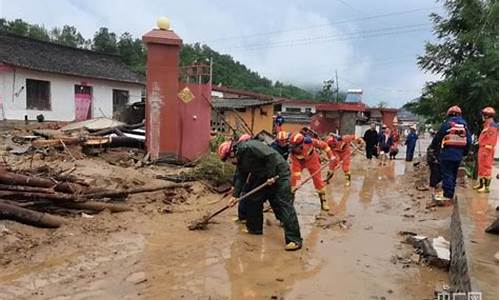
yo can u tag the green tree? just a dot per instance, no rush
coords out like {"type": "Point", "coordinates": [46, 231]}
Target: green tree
{"type": "Point", "coordinates": [18, 27]}
{"type": "Point", "coordinates": [68, 36]}
{"type": "Point", "coordinates": [466, 57]}
{"type": "Point", "coordinates": [132, 52]}
{"type": "Point", "coordinates": [382, 104]}
{"type": "Point", "coordinates": [38, 32]}
{"type": "Point", "coordinates": [105, 41]}
{"type": "Point", "coordinates": [3, 25]}
{"type": "Point", "coordinates": [327, 92]}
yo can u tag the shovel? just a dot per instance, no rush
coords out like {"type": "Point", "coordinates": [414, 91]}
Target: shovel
{"type": "Point", "coordinates": [311, 177]}
{"type": "Point", "coordinates": [203, 222]}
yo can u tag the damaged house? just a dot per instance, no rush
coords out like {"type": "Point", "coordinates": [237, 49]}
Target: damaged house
{"type": "Point", "coordinates": [62, 83]}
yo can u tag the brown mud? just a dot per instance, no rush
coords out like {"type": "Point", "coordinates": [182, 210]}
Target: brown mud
{"type": "Point", "coordinates": [149, 253]}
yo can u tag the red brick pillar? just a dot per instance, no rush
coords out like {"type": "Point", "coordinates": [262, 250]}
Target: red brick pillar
{"type": "Point", "coordinates": [162, 84]}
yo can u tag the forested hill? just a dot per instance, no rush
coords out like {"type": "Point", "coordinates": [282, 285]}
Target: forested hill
{"type": "Point", "coordinates": [226, 70]}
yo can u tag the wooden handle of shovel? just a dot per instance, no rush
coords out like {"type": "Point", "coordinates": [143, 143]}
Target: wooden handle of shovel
{"type": "Point", "coordinates": [310, 177]}
{"type": "Point", "coordinates": [255, 190]}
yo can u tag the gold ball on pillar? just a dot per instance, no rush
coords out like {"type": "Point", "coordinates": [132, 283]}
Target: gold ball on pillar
{"type": "Point", "coordinates": [163, 23]}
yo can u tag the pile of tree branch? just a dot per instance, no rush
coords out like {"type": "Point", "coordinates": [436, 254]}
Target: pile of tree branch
{"type": "Point", "coordinates": [29, 199]}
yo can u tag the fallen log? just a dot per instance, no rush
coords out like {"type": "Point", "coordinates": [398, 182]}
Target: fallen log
{"type": "Point", "coordinates": [33, 196]}
{"type": "Point", "coordinates": [61, 197]}
{"type": "Point", "coordinates": [109, 130]}
{"type": "Point", "coordinates": [95, 206]}
{"type": "Point", "coordinates": [17, 179]}
{"type": "Point", "coordinates": [8, 210]}
{"type": "Point", "coordinates": [68, 188]}
{"type": "Point", "coordinates": [24, 188]}
{"type": "Point", "coordinates": [124, 193]}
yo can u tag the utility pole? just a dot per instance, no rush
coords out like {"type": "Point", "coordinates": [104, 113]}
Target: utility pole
{"type": "Point", "coordinates": [337, 88]}
{"type": "Point", "coordinates": [211, 70]}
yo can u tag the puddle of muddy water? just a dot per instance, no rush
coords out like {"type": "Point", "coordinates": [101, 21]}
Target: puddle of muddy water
{"type": "Point", "coordinates": [354, 263]}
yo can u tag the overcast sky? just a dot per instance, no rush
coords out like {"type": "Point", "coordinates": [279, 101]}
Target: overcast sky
{"type": "Point", "coordinates": [372, 44]}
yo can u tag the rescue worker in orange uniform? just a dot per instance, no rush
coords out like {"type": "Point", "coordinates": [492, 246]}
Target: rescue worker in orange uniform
{"type": "Point", "coordinates": [305, 156]}
{"type": "Point", "coordinates": [342, 151]}
{"type": "Point", "coordinates": [487, 142]}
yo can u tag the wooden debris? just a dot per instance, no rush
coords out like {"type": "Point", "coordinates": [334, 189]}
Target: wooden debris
{"type": "Point", "coordinates": [9, 210]}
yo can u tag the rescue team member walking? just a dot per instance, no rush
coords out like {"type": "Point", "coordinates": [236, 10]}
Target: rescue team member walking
{"type": "Point", "coordinates": [255, 158]}
{"type": "Point", "coordinates": [371, 141]}
{"type": "Point", "coordinates": [454, 141]}
{"type": "Point", "coordinates": [487, 142]}
{"type": "Point", "coordinates": [342, 150]}
{"type": "Point", "coordinates": [305, 156]}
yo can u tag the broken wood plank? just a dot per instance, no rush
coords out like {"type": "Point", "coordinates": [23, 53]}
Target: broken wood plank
{"type": "Point", "coordinates": [57, 142]}
{"type": "Point", "coordinates": [8, 210]}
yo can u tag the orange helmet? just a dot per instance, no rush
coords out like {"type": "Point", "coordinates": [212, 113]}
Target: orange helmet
{"type": "Point", "coordinates": [488, 111]}
{"type": "Point", "coordinates": [454, 110]}
{"type": "Point", "coordinates": [297, 139]}
{"type": "Point", "coordinates": [331, 141]}
{"type": "Point", "coordinates": [225, 149]}
{"type": "Point", "coordinates": [244, 137]}
{"type": "Point", "coordinates": [282, 136]}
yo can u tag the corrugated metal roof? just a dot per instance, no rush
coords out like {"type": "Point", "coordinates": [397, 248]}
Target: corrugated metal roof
{"type": "Point", "coordinates": [231, 103]}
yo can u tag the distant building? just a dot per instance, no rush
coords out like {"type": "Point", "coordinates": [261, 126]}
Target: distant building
{"type": "Point", "coordinates": [241, 109]}
{"type": "Point", "coordinates": [350, 118]}
{"type": "Point", "coordinates": [354, 96]}
{"type": "Point", "coordinates": [62, 83]}
{"type": "Point", "coordinates": [407, 118]}
{"type": "Point", "coordinates": [297, 114]}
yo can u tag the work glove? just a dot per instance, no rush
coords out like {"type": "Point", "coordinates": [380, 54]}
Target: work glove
{"type": "Point", "coordinates": [232, 201]}
{"type": "Point", "coordinates": [271, 181]}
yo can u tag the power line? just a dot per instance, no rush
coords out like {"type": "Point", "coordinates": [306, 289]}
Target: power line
{"type": "Point", "coordinates": [307, 39]}
{"type": "Point", "coordinates": [331, 40]}
{"type": "Point", "coordinates": [350, 6]}
{"type": "Point", "coordinates": [361, 19]}
{"type": "Point", "coordinates": [371, 62]}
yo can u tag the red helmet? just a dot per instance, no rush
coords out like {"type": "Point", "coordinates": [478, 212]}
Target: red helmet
{"type": "Point", "coordinates": [297, 139]}
{"type": "Point", "coordinates": [454, 110]}
{"type": "Point", "coordinates": [282, 136]}
{"type": "Point", "coordinates": [224, 150]}
{"type": "Point", "coordinates": [488, 111]}
{"type": "Point", "coordinates": [244, 137]}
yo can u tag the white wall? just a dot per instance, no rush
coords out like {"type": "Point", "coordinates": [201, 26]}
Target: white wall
{"type": "Point", "coordinates": [62, 95]}
{"type": "Point", "coordinates": [301, 106]}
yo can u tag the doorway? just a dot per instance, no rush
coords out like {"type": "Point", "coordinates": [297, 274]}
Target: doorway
{"type": "Point", "coordinates": [83, 102]}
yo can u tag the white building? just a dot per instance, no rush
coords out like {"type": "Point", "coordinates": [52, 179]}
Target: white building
{"type": "Point", "coordinates": [62, 83]}
{"type": "Point", "coordinates": [299, 106]}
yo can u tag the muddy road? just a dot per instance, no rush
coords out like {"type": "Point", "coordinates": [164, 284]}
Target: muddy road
{"type": "Point", "coordinates": [150, 254]}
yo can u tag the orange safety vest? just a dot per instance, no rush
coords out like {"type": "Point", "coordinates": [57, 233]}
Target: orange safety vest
{"type": "Point", "coordinates": [308, 150]}
{"type": "Point", "coordinates": [456, 136]}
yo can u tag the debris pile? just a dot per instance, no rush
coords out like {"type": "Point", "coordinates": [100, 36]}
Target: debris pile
{"type": "Point", "coordinates": [91, 136]}
{"type": "Point", "coordinates": [435, 251]}
{"type": "Point", "coordinates": [210, 171]}
{"type": "Point", "coordinates": [40, 199]}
